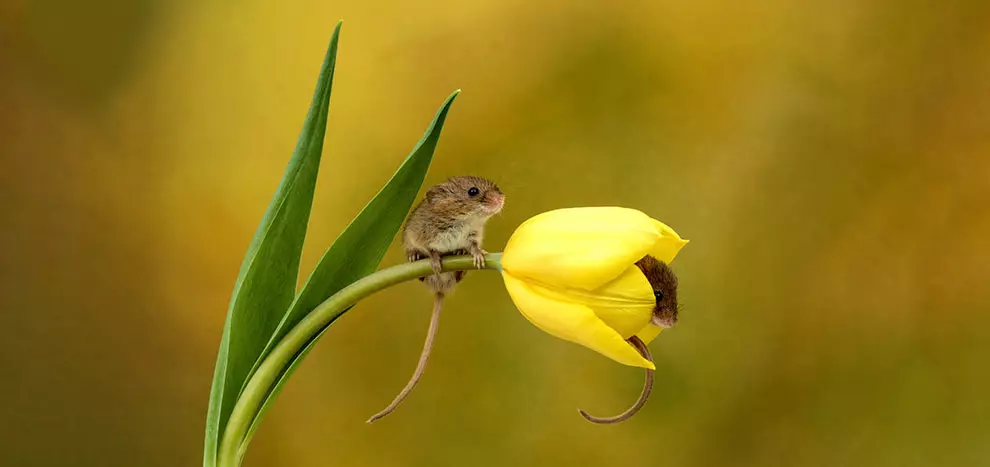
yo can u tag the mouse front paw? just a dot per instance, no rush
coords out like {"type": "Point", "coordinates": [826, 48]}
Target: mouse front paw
{"type": "Point", "coordinates": [478, 255]}
{"type": "Point", "coordinates": [414, 256]}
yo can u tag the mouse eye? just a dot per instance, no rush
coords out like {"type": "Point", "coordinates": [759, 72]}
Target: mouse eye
{"type": "Point", "coordinates": [473, 191]}
{"type": "Point", "coordinates": [658, 295]}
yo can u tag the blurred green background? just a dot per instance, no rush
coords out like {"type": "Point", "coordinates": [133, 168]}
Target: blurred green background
{"type": "Point", "coordinates": [828, 160]}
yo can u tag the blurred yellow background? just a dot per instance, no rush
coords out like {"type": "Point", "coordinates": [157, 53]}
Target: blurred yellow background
{"type": "Point", "coordinates": [828, 160]}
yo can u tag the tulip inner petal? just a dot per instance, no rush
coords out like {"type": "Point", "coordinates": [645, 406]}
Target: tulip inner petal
{"type": "Point", "coordinates": [648, 333]}
{"type": "Point", "coordinates": [632, 313]}
{"type": "Point", "coordinates": [625, 304]}
{"type": "Point", "coordinates": [571, 321]}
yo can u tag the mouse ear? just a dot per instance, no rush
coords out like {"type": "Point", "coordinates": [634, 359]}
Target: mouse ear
{"type": "Point", "coordinates": [432, 194]}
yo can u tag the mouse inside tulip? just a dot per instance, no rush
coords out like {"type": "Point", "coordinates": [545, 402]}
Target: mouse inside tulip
{"type": "Point", "coordinates": [664, 284]}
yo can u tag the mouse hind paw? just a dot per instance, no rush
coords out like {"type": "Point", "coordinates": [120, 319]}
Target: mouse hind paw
{"type": "Point", "coordinates": [435, 262]}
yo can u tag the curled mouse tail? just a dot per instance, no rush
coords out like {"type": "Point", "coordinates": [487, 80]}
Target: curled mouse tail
{"type": "Point", "coordinates": [421, 366]}
{"type": "Point", "coordinates": [643, 396]}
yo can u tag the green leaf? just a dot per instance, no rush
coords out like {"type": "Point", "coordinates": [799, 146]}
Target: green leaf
{"type": "Point", "coordinates": [360, 248]}
{"type": "Point", "coordinates": [266, 285]}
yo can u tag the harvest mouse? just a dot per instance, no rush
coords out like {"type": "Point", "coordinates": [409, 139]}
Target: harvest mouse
{"type": "Point", "coordinates": [450, 221]}
{"type": "Point", "coordinates": [664, 284]}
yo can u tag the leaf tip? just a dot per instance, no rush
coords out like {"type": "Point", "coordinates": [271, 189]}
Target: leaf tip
{"type": "Point", "coordinates": [450, 99]}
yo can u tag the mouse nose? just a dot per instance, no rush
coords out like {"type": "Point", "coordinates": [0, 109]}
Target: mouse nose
{"type": "Point", "coordinates": [497, 201]}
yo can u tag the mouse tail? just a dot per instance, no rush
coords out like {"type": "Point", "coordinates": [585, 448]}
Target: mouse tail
{"type": "Point", "coordinates": [421, 366]}
{"type": "Point", "coordinates": [643, 396]}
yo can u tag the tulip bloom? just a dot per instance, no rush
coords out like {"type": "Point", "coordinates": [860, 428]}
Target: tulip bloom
{"type": "Point", "coordinates": [573, 274]}
{"type": "Point", "coordinates": [597, 277]}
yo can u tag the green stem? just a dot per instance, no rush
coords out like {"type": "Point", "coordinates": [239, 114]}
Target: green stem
{"type": "Point", "coordinates": [258, 386]}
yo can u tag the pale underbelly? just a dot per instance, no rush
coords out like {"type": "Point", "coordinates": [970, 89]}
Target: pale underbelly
{"type": "Point", "coordinates": [448, 243]}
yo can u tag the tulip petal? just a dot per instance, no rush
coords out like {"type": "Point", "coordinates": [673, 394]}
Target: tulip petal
{"type": "Point", "coordinates": [669, 243]}
{"type": "Point", "coordinates": [573, 322]}
{"type": "Point", "coordinates": [586, 247]}
{"type": "Point", "coordinates": [649, 333]}
{"type": "Point", "coordinates": [625, 303]}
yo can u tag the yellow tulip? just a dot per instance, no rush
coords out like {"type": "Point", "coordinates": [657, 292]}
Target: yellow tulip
{"type": "Point", "coordinates": [573, 274]}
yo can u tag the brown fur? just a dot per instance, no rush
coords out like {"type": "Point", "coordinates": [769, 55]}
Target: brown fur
{"type": "Point", "coordinates": [664, 284]}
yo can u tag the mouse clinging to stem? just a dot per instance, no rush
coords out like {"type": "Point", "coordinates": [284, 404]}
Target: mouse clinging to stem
{"type": "Point", "coordinates": [449, 221]}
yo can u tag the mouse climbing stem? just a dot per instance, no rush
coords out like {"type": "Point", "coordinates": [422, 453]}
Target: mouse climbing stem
{"type": "Point", "coordinates": [258, 387]}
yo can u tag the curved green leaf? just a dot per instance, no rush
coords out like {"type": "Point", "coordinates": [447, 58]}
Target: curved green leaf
{"type": "Point", "coordinates": [360, 247]}
{"type": "Point", "coordinates": [266, 284]}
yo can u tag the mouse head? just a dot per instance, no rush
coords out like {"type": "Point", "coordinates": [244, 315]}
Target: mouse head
{"type": "Point", "coordinates": [664, 284]}
{"type": "Point", "coordinates": [465, 197]}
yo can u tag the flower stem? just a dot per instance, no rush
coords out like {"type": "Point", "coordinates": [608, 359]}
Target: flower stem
{"type": "Point", "coordinates": [256, 390]}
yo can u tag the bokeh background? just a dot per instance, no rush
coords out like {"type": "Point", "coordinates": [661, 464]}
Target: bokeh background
{"type": "Point", "coordinates": [828, 160]}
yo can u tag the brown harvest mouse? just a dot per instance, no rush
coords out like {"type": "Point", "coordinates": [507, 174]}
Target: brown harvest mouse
{"type": "Point", "coordinates": [664, 284]}
{"type": "Point", "coordinates": [450, 221]}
